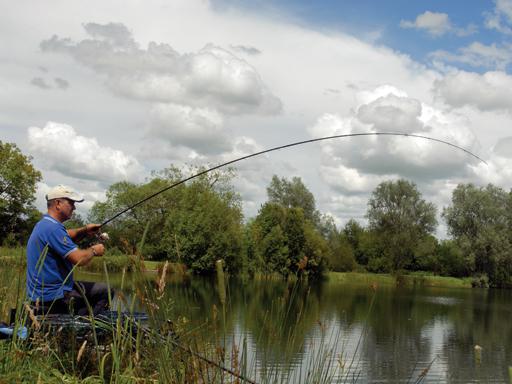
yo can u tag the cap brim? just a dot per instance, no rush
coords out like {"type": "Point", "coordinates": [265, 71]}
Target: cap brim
{"type": "Point", "coordinates": [75, 198]}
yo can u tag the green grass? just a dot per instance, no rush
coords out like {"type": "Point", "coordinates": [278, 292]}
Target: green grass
{"type": "Point", "coordinates": [114, 263]}
{"type": "Point", "coordinates": [415, 278]}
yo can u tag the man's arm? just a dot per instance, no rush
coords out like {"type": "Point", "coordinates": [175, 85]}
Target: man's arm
{"type": "Point", "coordinates": [84, 256]}
{"type": "Point", "coordinates": [78, 234]}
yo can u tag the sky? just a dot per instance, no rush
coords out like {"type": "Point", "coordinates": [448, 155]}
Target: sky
{"type": "Point", "coordinates": [98, 92]}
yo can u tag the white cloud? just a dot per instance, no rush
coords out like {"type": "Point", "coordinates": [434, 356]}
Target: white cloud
{"type": "Point", "coordinates": [437, 24]}
{"type": "Point", "coordinates": [296, 62]}
{"type": "Point", "coordinates": [501, 17]}
{"type": "Point", "coordinates": [212, 77]}
{"type": "Point", "coordinates": [478, 55]}
{"type": "Point", "coordinates": [60, 148]}
{"type": "Point", "coordinates": [491, 91]}
{"type": "Point", "coordinates": [349, 180]}
{"type": "Point", "coordinates": [357, 165]}
{"type": "Point", "coordinates": [392, 114]}
{"type": "Point", "coordinates": [498, 170]}
{"type": "Point", "coordinates": [200, 129]}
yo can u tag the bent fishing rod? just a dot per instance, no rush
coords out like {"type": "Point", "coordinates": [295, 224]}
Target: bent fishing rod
{"type": "Point", "coordinates": [283, 147]}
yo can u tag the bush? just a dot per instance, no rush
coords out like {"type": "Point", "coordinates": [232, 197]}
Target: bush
{"type": "Point", "coordinates": [341, 259]}
{"type": "Point", "coordinates": [480, 281]}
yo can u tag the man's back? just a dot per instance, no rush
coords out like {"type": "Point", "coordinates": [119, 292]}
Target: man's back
{"type": "Point", "coordinates": [48, 271]}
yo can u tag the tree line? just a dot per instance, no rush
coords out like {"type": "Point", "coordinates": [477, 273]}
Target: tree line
{"type": "Point", "coordinates": [202, 221]}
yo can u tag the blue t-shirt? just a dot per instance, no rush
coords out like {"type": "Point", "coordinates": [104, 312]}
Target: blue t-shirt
{"type": "Point", "coordinates": [48, 270]}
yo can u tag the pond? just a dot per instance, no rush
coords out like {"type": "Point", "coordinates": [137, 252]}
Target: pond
{"type": "Point", "coordinates": [346, 332]}
{"type": "Point", "coordinates": [353, 333]}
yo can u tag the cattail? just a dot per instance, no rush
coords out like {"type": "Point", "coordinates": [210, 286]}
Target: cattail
{"type": "Point", "coordinates": [161, 280]}
{"type": "Point", "coordinates": [81, 351]}
{"type": "Point", "coordinates": [33, 319]}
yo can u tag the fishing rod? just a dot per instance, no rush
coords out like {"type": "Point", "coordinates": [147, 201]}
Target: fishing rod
{"type": "Point", "coordinates": [283, 147]}
{"type": "Point", "coordinates": [208, 361]}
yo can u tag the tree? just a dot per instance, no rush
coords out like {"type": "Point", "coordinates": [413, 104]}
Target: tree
{"type": "Point", "coordinates": [195, 223]}
{"type": "Point", "coordinates": [401, 219]}
{"type": "Point", "coordinates": [18, 179]}
{"type": "Point", "coordinates": [286, 243]}
{"type": "Point", "coordinates": [479, 220]}
{"type": "Point", "coordinates": [293, 194]}
{"type": "Point", "coordinates": [341, 258]}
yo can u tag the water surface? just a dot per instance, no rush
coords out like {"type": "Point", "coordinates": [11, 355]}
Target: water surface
{"type": "Point", "coordinates": [351, 332]}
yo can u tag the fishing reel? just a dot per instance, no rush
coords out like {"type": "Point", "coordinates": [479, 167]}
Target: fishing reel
{"type": "Point", "coordinates": [102, 237]}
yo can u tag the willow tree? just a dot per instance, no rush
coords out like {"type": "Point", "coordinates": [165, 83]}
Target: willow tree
{"type": "Point", "coordinates": [480, 221]}
{"type": "Point", "coordinates": [401, 218]}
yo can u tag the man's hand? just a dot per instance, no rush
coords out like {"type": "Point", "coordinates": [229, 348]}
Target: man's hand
{"type": "Point", "coordinates": [98, 249]}
{"type": "Point", "coordinates": [84, 256]}
{"type": "Point", "coordinates": [89, 230]}
{"type": "Point", "coordinates": [92, 229]}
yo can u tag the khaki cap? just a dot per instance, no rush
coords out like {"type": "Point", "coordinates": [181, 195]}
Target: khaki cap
{"type": "Point", "coordinates": [64, 192]}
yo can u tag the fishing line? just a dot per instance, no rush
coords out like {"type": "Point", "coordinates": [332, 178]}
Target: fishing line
{"type": "Point", "coordinates": [283, 147]}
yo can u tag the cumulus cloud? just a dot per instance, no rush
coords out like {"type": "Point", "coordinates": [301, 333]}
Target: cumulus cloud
{"type": "Point", "coordinates": [498, 169]}
{"type": "Point", "coordinates": [392, 114]}
{"type": "Point", "coordinates": [349, 181]}
{"type": "Point", "coordinates": [200, 129]}
{"type": "Point", "coordinates": [60, 148]}
{"type": "Point", "coordinates": [500, 18]}
{"type": "Point", "coordinates": [210, 78]}
{"type": "Point", "coordinates": [491, 91]}
{"type": "Point", "coordinates": [478, 55]}
{"type": "Point", "coordinates": [436, 24]}
{"type": "Point", "coordinates": [357, 165]}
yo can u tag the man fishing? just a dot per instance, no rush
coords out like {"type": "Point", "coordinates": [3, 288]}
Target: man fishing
{"type": "Point", "coordinates": [52, 256]}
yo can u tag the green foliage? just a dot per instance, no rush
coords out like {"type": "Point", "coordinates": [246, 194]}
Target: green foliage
{"type": "Point", "coordinates": [479, 221]}
{"type": "Point", "coordinates": [341, 258]}
{"type": "Point", "coordinates": [76, 221]}
{"type": "Point", "coordinates": [451, 260]}
{"type": "Point", "coordinates": [401, 218]}
{"type": "Point", "coordinates": [293, 194]}
{"type": "Point", "coordinates": [353, 232]}
{"type": "Point", "coordinates": [18, 180]}
{"type": "Point", "coordinates": [205, 227]}
{"type": "Point", "coordinates": [285, 242]}
{"type": "Point", "coordinates": [195, 223]}
{"type": "Point", "coordinates": [371, 253]}
{"type": "Point", "coordinates": [425, 255]}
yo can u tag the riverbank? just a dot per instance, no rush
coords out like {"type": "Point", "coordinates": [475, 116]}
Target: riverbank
{"type": "Point", "coordinates": [116, 263]}
{"type": "Point", "coordinates": [410, 279]}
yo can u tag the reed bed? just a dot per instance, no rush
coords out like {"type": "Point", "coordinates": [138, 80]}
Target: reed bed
{"type": "Point", "coordinates": [169, 350]}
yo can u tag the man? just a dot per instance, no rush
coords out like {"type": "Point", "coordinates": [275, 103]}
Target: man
{"type": "Point", "coordinates": [52, 256]}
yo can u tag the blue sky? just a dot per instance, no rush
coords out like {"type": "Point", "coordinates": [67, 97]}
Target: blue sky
{"type": "Point", "coordinates": [99, 92]}
{"type": "Point", "coordinates": [380, 20]}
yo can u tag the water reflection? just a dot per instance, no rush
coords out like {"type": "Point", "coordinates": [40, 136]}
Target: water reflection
{"type": "Point", "coordinates": [358, 334]}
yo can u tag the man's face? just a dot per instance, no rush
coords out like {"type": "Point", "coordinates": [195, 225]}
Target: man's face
{"type": "Point", "coordinates": [66, 208]}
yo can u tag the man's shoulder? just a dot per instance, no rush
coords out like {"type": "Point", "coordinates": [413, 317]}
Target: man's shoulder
{"type": "Point", "coordinates": [48, 223]}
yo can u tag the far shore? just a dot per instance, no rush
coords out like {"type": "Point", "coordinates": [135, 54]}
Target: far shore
{"type": "Point", "coordinates": [117, 263]}
{"type": "Point", "coordinates": [407, 279]}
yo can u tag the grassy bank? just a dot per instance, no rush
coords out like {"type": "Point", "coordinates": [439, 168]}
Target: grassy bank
{"type": "Point", "coordinates": [116, 263]}
{"type": "Point", "coordinates": [418, 279]}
